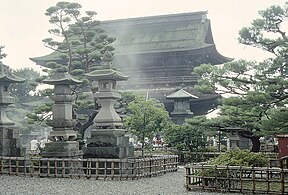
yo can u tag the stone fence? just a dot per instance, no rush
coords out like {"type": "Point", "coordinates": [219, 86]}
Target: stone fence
{"type": "Point", "coordinates": [89, 168]}
{"type": "Point", "coordinates": [248, 180]}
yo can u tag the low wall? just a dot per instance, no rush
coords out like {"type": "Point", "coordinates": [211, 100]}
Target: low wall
{"type": "Point", "coordinates": [259, 180]}
{"type": "Point", "coordinates": [89, 168]}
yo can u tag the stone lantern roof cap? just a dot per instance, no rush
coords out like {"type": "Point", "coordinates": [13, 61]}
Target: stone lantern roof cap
{"type": "Point", "coordinates": [107, 74]}
{"type": "Point", "coordinates": [6, 75]}
{"type": "Point", "coordinates": [61, 78]}
{"type": "Point", "coordinates": [181, 93]}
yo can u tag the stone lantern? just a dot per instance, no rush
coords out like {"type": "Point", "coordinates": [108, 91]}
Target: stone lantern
{"type": "Point", "coordinates": [181, 110]}
{"type": "Point", "coordinates": [9, 134]}
{"type": "Point", "coordinates": [63, 136]}
{"type": "Point", "coordinates": [233, 137]}
{"type": "Point", "coordinates": [107, 139]}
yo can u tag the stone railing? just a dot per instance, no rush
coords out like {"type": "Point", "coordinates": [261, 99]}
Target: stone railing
{"type": "Point", "coordinates": [248, 180]}
{"type": "Point", "coordinates": [89, 168]}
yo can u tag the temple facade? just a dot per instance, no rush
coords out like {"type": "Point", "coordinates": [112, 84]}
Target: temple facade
{"type": "Point", "coordinates": [159, 53]}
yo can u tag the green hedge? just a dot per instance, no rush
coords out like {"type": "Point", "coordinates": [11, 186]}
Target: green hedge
{"type": "Point", "coordinates": [239, 157]}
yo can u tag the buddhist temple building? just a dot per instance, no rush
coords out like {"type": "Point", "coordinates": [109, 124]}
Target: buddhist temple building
{"type": "Point", "coordinates": [159, 53]}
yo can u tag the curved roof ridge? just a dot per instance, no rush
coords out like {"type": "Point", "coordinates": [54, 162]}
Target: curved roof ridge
{"type": "Point", "coordinates": [198, 13]}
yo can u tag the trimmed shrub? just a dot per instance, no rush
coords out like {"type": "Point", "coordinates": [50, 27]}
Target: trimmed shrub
{"type": "Point", "coordinates": [239, 157]}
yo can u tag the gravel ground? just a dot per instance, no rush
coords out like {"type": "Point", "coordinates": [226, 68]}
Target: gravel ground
{"type": "Point", "coordinates": [167, 184]}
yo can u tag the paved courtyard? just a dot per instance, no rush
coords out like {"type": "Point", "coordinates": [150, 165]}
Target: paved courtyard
{"type": "Point", "coordinates": [168, 184]}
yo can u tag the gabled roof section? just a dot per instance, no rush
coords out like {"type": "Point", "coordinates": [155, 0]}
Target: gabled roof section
{"type": "Point", "coordinates": [181, 93]}
{"type": "Point", "coordinates": [163, 33]}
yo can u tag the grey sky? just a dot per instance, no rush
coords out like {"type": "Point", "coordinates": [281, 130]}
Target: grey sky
{"type": "Point", "coordinates": [24, 25]}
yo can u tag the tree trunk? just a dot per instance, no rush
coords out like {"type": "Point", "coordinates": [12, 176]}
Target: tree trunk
{"type": "Point", "coordinates": [142, 149]}
{"type": "Point", "coordinates": [255, 143]}
{"type": "Point", "coordinates": [143, 144]}
{"type": "Point", "coordinates": [190, 148]}
{"type": "Point", "coordinates": [82, 127]}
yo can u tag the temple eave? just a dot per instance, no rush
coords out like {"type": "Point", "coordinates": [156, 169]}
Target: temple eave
{"type": "Point", "coordinates": [209, 49]}
{"type": "Point", "coordinates": [219, 57]}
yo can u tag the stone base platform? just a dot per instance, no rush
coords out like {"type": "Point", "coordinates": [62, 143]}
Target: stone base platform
{"type": "Point", "coordinates": [108, 152]}
{"type": "Point", "coordinates": [65, 149]}
{"type": "Point", "coordinates": [108, 143]}
{"type": "Point", "coordinates": [9, 141]}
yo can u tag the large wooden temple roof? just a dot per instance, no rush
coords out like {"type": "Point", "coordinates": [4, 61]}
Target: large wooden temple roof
{"type": "Point", "coordinates": [160, 33]}
{"type": "Point", "coordinates": [156, 34]}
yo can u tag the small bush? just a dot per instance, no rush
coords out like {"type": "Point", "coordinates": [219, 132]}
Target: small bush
{"type": "Point", "coordinates": [239, 157]}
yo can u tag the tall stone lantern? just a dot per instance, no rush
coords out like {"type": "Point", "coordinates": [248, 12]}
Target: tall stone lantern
{"type": "Point", "coordinates": [63, 136]}
{"type": "Point", "coordinates": [9, 134]}
{"type": "Point", "coordinates": [107, 139]}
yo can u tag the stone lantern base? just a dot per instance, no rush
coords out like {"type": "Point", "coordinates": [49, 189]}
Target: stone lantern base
{"type": "Point", "coordinates": [108, 143]}
{"type": "Point", "coordinates": [180, 117]}
{"type": "Point", "coordinates": [9, 141]}
{"type": "Point", "coordinates": [62, 149]}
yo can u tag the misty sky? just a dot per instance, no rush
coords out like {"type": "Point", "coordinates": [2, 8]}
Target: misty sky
{"type": "Point", "coordinates": [24, 25]}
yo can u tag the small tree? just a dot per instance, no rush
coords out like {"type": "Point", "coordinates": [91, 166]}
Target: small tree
{"type": "Point", "coordinates": [239, 157]}
{"type": "Point", "coordinates": [25, 92]}
{"type": "Point", "coordinates": [82, 43]}
{"type": "Point", "coordinates": [146, 118]}
{"type": "Point", "coordinates": [79, 45]}
{"type": "Point", "coordinates": [190, 136]}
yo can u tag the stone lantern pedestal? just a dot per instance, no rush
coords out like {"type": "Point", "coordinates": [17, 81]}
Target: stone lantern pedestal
{"type": "Point", "coordinates": [9, 133]}
{"type": "Point", "coordinates": [108, 139]}
{"type": "Point", "coordinates": [62, 138]}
